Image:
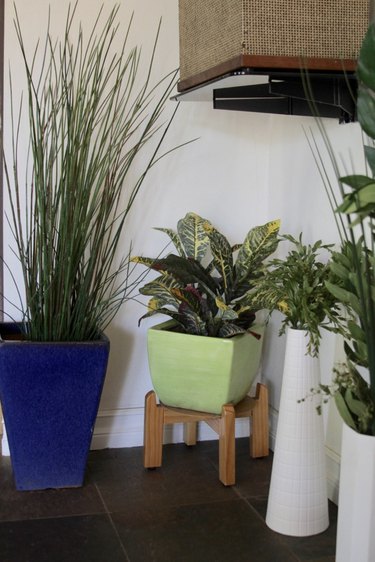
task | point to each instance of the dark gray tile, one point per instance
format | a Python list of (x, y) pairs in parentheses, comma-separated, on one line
[(260, 505), (15, 505), (82, 539), (324, 559), (179, 512), (214, 532), (252, 475), (186, 477), (317, 547)]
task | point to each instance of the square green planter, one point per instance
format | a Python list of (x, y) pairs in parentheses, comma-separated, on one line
[(202, 373)]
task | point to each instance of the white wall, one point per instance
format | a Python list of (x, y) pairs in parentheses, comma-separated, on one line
[(245, 169)]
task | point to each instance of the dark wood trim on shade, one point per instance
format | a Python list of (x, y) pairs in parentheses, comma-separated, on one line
[(1, 156), (267, 63)]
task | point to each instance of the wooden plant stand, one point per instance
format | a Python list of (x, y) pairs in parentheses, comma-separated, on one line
[(256, 408)]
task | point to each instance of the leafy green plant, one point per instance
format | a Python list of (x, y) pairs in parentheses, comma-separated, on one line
[(296, 286), (205, 286), (354, 265), (89, 117)]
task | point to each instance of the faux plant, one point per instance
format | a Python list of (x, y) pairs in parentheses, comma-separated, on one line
[(205, 285), (90, 114), (354, 265), (296, 286)]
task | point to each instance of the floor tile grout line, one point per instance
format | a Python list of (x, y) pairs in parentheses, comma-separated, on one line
[(276, 535), (108, 513)]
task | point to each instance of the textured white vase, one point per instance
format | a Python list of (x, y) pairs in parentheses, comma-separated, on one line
[(297, 502), (356, 514)]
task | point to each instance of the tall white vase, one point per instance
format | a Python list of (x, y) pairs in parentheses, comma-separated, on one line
[(297, 502), (356, 513)]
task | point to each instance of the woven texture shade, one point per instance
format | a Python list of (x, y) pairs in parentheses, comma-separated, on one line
[(214, 31)]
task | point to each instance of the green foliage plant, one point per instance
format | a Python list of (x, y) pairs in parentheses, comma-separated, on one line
[(354, 264), (205, 285), (92, 108), (296, 287)]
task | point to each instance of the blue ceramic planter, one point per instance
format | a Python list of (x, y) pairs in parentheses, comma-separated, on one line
[(50, 395)]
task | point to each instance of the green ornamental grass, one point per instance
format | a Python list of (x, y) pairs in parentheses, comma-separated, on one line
[(91, 110)]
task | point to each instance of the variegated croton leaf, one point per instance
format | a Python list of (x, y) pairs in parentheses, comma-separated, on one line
[(193, 236)]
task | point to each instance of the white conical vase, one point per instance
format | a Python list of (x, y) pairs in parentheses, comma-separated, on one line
[(356, 514), (297, 502)]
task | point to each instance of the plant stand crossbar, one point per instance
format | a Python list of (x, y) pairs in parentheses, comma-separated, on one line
[(256, 408)]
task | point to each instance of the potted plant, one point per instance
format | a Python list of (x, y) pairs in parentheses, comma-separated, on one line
[(296, 286), (208, 354), (88, 120), (353, 385)]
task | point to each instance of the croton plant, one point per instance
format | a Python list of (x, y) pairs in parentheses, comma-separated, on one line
[(205, 285)]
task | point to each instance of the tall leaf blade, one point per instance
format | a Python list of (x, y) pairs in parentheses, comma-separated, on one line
[(193, 235), (186, 271), (192, 322), (229, 330), (162, 288), (226, 312), (222, 256), (172, 313), (259, 244), (174, 238), (191, 298)]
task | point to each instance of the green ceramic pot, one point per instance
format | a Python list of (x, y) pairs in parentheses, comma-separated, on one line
[(202, 373)]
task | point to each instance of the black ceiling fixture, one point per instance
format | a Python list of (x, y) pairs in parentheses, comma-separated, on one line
[(293, 93), (286, 92)]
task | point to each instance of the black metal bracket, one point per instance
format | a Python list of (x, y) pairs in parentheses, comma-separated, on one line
[(292, 93)]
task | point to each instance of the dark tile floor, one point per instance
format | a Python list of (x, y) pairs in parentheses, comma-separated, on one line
[(179, 513)]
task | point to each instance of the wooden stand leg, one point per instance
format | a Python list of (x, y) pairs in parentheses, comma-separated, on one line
[(259, 440), (227, 469), (153, 432), (190, 433)]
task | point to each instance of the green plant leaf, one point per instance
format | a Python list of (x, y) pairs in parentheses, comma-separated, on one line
[(366, 110), (366, 59), (229, 330), (259, 244), (171, 313), (161, 289), (222, 256), (174, 238), (370, 157), (344, 296), (193, 236), (192, 322), (226, 312), (148, 262), (344, 410), (355, 406), (356, 331), (188, 297), (362, 199), (356, 181), (339, 270), (186, 271)]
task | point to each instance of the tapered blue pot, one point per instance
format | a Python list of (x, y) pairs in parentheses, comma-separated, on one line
[(50, 395)]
